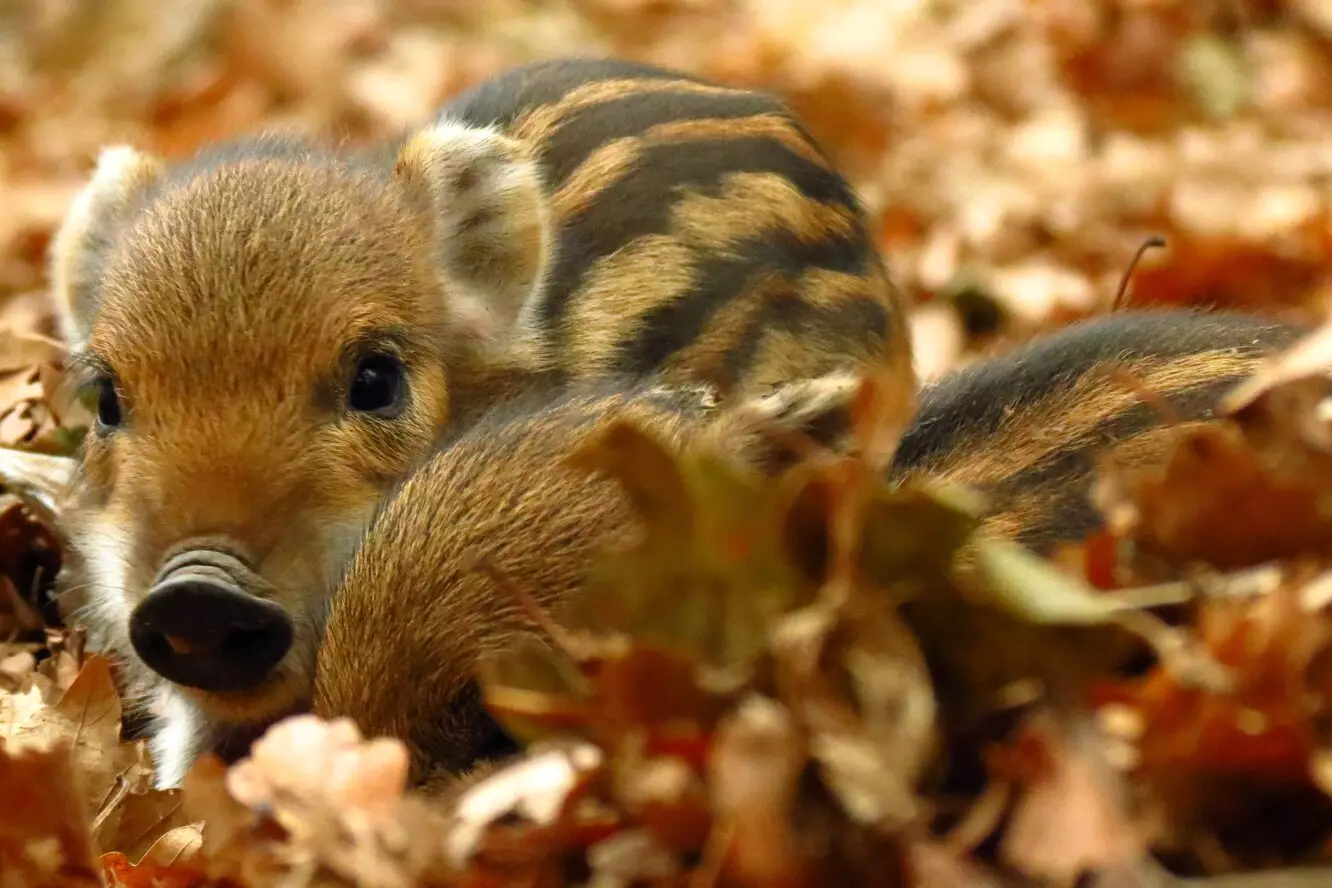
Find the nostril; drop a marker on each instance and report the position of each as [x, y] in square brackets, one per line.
[200, 629]
[178, 645]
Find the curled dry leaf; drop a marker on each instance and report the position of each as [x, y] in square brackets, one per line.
[1033, 589]
[1205, 755]
[314, 761]
[1311, 356]
[534, 790]
[631, 857]
[145, 824]
[859, 684]
[1182, 511]
[24, 350]
[30, 559]
[333, 800]
[1269, 458]
[707, 571]
[170, 862]
[39, 480]
[204, 798]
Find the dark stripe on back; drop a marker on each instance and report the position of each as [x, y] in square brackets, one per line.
[639, 204]
[1194, 403]
[670, 327]
[1067, 473]
[504, 98]
[976, 400]
[863, 320]
[597, 125]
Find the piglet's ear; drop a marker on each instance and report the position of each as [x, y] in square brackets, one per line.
[122, 177]
[487, 203]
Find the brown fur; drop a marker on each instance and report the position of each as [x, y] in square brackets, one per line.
[567, 221]
[503, 491]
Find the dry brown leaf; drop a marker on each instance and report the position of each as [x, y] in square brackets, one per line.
[1311, 356]
[534, 789]
[1184, 510]
[44, 836]
[18, 710]
[334, 799]
[204, 797]
[60, 670]
[138, 821]
[87, 719]
[21, 350]
[755, 766]
[858, 683]
[320, 762]
[172, 861]
[17, 665]
[1072, 818]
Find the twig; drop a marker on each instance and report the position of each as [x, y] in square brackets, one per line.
[1121, 295]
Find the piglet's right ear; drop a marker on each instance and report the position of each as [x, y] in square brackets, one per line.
[106, 202]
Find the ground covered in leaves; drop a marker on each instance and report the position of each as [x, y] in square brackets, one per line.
[1013, 155]
[794, 682]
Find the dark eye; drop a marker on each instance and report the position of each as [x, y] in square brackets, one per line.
[108, 402]
[378, 386]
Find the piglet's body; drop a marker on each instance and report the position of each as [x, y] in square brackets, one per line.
[276, 332]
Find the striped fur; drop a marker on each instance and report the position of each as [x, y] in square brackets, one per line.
[1025, 428]
[564, 223]
[699, 229]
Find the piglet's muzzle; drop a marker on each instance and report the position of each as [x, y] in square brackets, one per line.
[207, 624]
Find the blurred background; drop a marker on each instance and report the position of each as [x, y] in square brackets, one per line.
[1013, 153]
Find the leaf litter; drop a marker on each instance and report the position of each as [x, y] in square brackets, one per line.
[813, 692]
[790, 683]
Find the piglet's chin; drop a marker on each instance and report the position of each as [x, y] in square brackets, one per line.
[192, 722]
[186, 732]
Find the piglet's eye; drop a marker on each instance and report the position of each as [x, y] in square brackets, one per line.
[108, 402]
[378, 386]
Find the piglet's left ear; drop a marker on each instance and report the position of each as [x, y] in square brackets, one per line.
[486, 203]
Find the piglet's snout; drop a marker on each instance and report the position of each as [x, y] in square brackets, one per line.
[206, 624]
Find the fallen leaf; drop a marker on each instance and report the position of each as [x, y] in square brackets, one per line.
[1072, 816]
[141, 820]
[534, 789]
[1181, 510]
[87, 720]
[312, 760]
[44, 836]
[21, 350]
[755, 766]
[1311, 356]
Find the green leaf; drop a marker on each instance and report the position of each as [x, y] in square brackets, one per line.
[1032, 588]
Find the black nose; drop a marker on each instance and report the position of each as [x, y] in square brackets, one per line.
[199, 628]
